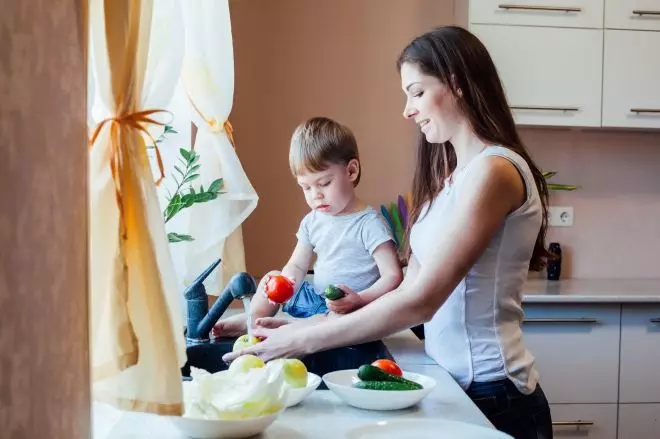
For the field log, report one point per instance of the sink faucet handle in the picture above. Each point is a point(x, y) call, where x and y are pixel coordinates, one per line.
point(242, 285)
point(196, 288)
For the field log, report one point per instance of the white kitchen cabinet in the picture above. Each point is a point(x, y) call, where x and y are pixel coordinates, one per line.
point(631, 79)
point(639, 421)
point(640, 354)
point(552, 76)
point(560, 13)
point(632, 14)
point(592, 421)
point(576, 350)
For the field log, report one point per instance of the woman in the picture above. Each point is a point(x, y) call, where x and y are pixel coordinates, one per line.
point(479, 220)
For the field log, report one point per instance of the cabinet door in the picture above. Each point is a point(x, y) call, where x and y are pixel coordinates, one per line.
point(632, 14)
point(576, 348)
point(640, 354)
point(592, 421)
point(552, 76)
point(639, 421)
point(631, 84)
point(560, 13)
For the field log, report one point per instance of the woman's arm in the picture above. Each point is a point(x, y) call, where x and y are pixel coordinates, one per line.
point(493, 191)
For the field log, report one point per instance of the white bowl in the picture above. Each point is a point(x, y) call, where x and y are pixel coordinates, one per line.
point(296, 396)
point(233, 429)
point(341, 381)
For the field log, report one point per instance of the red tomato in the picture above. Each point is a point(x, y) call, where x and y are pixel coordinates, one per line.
point(279, 289)
point(388, 366)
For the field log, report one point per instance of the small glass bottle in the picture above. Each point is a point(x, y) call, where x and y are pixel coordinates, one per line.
point(554, 264)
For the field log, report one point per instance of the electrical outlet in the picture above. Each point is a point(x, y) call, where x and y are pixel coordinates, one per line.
point(560, 216)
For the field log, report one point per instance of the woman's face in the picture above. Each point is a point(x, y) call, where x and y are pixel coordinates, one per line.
point(430, 104)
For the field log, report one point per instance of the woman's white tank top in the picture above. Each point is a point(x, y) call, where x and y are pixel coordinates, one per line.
point(476, 334)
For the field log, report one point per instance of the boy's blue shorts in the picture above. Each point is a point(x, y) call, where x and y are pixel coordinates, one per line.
point(306, 302)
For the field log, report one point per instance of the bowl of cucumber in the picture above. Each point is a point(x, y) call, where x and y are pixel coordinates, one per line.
point(373, 388)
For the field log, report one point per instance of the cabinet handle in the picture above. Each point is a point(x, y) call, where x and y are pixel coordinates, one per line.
point(573, 423)
point(536, 107)
point(655, 320)
point(562, 320)
point(540, 8)
point(641, 12)
point(645, 110)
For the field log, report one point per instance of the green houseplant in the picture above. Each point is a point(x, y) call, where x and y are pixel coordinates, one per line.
point(185, 194)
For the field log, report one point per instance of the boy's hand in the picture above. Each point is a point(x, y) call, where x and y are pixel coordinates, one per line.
point(271, 322)
point(265, 281)
point(350, 302)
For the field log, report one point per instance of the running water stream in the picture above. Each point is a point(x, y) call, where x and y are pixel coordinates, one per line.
point(248, 312)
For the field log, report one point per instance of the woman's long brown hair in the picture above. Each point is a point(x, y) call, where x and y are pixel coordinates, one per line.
point(459, 60)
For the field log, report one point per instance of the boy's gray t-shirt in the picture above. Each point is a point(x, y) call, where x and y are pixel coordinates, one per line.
point(344, 245)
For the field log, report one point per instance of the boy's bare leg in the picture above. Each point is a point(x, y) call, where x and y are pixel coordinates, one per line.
point(235, 326)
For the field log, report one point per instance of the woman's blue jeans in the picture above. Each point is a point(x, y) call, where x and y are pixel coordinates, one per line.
point(519, 415)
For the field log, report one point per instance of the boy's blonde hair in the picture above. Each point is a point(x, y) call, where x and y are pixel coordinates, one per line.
point(319, 142)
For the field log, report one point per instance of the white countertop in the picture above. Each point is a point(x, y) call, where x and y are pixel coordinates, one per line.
point(592, 291)
point(314, 416)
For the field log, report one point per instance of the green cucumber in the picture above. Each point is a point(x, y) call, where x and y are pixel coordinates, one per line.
point(333, 293)
point(383, 385)
point(368, 372)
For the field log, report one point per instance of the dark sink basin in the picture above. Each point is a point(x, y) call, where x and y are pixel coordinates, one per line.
point(209, 357)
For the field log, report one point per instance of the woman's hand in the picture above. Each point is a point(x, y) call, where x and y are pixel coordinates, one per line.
point(284, 341)
point(350, 302)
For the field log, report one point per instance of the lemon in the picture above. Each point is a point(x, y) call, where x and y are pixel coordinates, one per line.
point(294, 371)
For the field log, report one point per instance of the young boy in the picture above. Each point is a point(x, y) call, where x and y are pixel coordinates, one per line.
point(354, 247)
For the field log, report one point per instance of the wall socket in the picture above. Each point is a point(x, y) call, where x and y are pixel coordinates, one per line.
point(560, 216)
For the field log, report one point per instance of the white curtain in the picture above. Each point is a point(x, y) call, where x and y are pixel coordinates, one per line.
point(207, 88)
point(137, 343)
point(148, 55)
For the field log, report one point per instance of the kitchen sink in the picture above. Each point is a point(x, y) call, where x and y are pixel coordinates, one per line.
point(208, 356)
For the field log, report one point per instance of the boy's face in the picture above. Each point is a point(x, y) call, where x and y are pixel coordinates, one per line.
point(330, 191)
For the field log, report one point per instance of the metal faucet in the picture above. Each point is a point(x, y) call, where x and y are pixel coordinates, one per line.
point(200, 319)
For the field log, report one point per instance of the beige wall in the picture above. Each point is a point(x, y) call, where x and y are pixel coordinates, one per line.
point(299, 58)
point(616, 232)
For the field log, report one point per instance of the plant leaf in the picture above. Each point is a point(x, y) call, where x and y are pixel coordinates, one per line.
point(204, 197)
point(562, 187)
point(549, 174)
point(190, 178)
point(195, 159)
point(180, 171)
point(185, 154)
point(216, 185)
point(170, 129)
point(177, 237)
point(188, 199)
point(175, 205)
point(194, 168)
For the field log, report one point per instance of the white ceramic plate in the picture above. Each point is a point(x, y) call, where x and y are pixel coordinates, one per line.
point(235, 429)
point(340, 383)
point(424, 429)
point(296, 396)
